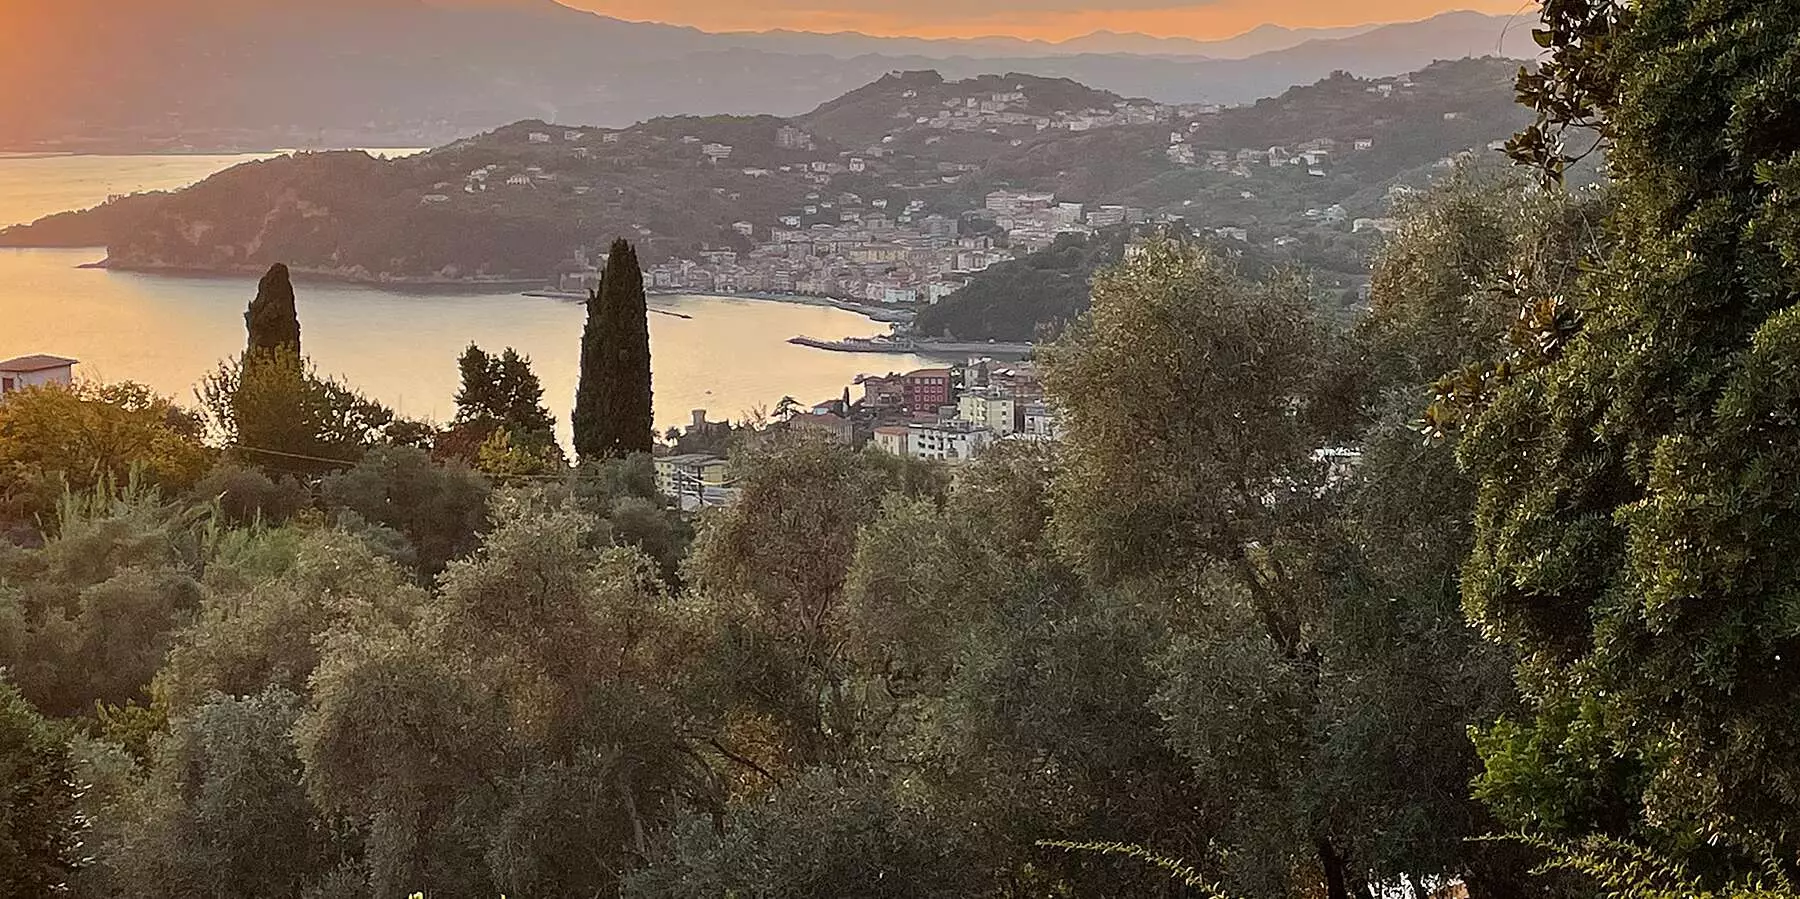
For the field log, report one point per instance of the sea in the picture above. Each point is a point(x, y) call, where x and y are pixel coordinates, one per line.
point(728, 356)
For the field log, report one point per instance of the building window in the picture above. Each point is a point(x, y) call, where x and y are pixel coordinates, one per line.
point(6, 384)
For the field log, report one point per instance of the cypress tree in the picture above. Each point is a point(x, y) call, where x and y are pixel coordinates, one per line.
point(271, 319)
point(612, 402)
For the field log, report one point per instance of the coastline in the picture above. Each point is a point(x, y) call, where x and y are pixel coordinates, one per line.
point(873, 313)
point(533, 287)
point(397, 284)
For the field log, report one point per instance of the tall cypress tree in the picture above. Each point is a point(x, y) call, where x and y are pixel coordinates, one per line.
point(271, 319)
point(612, 403)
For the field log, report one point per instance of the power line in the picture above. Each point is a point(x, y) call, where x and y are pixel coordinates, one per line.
point(566, 476)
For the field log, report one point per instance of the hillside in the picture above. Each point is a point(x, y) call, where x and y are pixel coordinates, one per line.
point(173, 74)
point(532, 200)
point(898, 99)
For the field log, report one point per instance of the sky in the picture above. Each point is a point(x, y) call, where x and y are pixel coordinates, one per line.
point(1043, 19)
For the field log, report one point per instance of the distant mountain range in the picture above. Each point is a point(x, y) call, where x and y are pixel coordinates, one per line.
point(221, 74)
point(1262, 39)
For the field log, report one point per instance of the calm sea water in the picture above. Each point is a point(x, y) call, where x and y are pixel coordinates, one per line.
point(400, 348)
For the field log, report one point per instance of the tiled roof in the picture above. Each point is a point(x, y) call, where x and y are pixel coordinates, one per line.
point(35, 363)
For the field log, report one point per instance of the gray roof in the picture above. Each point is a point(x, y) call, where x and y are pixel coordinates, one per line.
point(35, 363)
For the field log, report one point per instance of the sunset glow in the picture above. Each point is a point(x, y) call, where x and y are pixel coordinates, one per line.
point(1052, 20)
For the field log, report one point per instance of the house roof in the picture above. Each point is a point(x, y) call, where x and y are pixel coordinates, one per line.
point(35, 363)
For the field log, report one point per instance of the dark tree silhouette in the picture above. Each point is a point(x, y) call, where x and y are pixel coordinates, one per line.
point(271, 319)
point(612, 403)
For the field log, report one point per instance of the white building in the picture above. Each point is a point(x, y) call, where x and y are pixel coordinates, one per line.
point(1040, 421)
point(35, 371)
point(948, 441)
point(995, 411)
point(893, 440)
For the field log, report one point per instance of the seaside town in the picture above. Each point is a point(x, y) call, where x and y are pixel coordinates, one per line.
point(905, 237)
point(949, 414)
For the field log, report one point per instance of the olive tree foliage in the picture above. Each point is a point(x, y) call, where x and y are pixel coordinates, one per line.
point(540, 750)
point(270, 598)
point(1255, 483)
point(92, 612)
point(983, 702)
point(1636, 512)
point(223, 811)
point(1188, 481)
point(40, 834)
point(770, 570)
point(439, 509)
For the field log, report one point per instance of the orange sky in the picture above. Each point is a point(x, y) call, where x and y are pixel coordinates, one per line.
point(1046, 19)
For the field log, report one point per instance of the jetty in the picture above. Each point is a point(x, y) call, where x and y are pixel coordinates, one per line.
point(904, 345)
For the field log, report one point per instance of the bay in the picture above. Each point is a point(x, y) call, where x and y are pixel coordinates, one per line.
point(730, 358)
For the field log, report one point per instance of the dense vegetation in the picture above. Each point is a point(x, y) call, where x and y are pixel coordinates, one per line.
point(1298, 606)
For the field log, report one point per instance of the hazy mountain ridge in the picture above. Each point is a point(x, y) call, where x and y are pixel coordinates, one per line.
point(1262, 39)
point(273, 73)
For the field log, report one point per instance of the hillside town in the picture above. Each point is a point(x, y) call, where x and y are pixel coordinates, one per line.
point(921, 239)
point(950, 414)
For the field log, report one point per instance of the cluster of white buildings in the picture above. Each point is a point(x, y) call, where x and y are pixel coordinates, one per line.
point(875, 260)
point(1011, 109)
point(1033, 219)
point(984, 403)
point(1313, 156)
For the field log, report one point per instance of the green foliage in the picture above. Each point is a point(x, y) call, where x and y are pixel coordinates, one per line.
point(1636, 491)
point(500, 407)
point(824, 835)
point(54, 438)
point(275, 409)
point(1017, 300)
point(1178, 869)
point(271, 598)
point(612, 415)
point(1184, 397)
point(99, 604)
point(247, 496)
point(39, 831)
point(538, 751)
point(503, 458)
point(439, 509)
point(223, 811)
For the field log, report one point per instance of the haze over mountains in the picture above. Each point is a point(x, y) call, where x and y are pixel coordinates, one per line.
point(259, 73)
